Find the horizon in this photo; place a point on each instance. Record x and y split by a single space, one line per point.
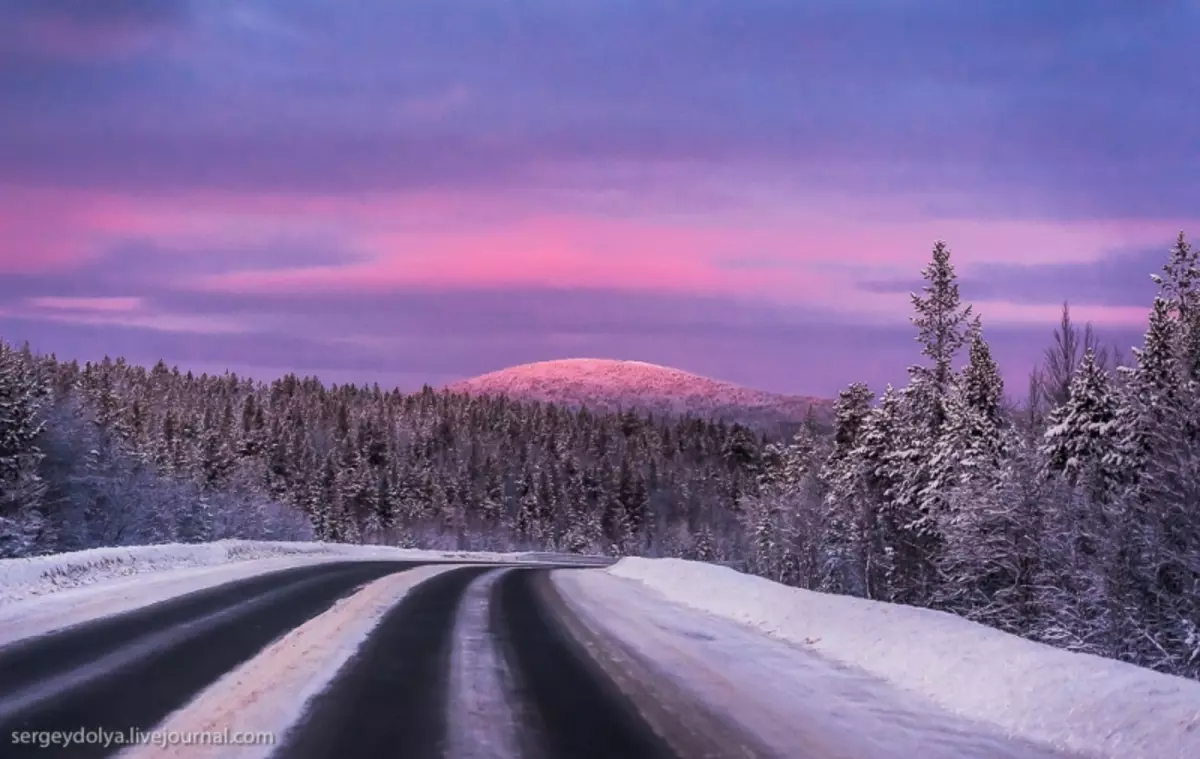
744 191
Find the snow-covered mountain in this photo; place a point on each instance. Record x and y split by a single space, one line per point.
609 385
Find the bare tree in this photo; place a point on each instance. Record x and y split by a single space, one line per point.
1053 378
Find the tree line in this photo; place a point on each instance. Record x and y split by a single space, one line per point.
110 453
1072 519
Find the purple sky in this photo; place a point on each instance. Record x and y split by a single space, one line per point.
419 191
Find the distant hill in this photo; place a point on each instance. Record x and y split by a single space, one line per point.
609 385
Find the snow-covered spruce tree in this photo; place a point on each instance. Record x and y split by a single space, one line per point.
1179 285
23 523
864 481
943 326
1155 576
971 448
1150 397
1078 543
848 509
942 323
994 569
985 523
1083 431
802 506
703 546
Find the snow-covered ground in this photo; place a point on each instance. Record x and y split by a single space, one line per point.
1077 702
25 578
782 700
48 593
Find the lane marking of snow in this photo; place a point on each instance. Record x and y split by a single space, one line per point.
46 690
270 692
481 721
1078 702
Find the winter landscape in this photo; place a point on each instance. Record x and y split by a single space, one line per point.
598 381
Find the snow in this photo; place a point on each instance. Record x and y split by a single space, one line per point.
25 578
270 692
718 677
481 723
1077 702
610 385
47 593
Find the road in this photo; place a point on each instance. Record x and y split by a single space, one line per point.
472 662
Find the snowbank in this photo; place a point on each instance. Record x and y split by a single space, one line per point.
27 578
1076 702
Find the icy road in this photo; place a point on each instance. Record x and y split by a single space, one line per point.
484 661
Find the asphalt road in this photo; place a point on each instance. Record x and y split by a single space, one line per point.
477 662
133 669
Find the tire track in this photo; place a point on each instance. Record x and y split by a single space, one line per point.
270 693
580 712
32 660
390 700
134 669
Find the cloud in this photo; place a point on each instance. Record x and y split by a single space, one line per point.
102 305
739 188
970 109
136 268
1115 279
438 337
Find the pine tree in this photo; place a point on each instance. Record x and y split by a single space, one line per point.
942 324
972 445
1083 431
846 501
916 499
22 519
1150 397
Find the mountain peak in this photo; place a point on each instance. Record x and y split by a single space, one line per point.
603 384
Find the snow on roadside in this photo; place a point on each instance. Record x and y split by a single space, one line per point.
47 593
268 693
21 579
784 701
1077 702
25 578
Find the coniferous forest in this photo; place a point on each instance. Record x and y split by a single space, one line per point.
1072 518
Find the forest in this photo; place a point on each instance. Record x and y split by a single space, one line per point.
1071 518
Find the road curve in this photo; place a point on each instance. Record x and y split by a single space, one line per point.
474 661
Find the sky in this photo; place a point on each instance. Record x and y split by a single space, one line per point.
417 191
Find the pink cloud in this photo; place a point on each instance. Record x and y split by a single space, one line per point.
556 251
805 251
